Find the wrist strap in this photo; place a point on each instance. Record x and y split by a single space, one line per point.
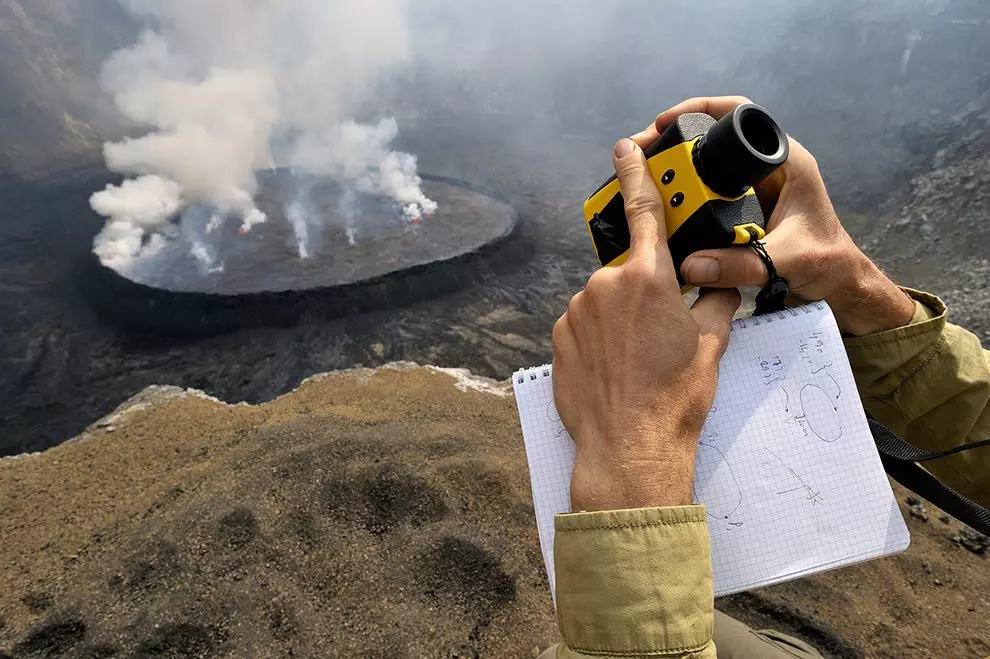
771 298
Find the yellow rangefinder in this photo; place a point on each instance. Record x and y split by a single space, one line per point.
705 171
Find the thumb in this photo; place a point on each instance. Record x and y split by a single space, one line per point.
732 267
713 311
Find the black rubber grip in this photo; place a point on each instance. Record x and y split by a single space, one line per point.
740 150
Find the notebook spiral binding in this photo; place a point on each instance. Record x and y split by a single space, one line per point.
535 373
770 318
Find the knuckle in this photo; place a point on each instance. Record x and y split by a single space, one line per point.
801 155
754 271
643 203
637 272
630 168
560 329
574 307
710 344
601 280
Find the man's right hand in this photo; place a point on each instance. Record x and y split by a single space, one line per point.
805 239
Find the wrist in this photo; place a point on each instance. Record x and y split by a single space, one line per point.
619 484
869 301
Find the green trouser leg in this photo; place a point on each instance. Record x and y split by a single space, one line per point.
734 640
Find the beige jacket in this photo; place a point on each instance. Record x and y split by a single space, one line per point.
638 583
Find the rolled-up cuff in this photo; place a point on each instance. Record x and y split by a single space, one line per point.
634 581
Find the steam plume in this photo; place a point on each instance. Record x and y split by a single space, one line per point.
217 82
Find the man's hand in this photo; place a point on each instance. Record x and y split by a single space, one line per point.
635 370
805 239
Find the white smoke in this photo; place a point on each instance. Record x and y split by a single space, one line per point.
359 154
296 214
135 208
216 82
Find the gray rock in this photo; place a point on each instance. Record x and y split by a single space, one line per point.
972 540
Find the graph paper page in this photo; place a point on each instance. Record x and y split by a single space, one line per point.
786 465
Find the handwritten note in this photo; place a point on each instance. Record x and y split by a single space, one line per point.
786 464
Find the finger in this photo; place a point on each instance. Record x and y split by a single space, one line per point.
799 161
715 106
643 203
733 267
713 311
646 137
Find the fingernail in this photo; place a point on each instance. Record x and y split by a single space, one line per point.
702 271
624 147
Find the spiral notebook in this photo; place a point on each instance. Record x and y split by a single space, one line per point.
786 464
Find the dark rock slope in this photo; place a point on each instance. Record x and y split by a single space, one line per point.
937 235
52 112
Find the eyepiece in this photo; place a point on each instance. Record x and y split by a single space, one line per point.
740 150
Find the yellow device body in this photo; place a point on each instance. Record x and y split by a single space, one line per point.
687 215
704 170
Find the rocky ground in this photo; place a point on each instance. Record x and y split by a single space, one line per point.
938 233
379 513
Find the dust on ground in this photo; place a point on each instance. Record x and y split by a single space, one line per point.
368 513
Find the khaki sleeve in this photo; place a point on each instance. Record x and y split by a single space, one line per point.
634 583
929 382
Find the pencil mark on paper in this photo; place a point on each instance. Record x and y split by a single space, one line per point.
814 407
552 414
838 387
812 352
711 414
787 401
795 484
819 414
772 370
715 483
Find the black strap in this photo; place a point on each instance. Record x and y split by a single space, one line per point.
900 460
771 298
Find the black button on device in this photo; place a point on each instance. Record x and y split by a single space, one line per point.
677 199
668 177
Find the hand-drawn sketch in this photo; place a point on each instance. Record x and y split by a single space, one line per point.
835 384
819 413
814 407
794 485
715 484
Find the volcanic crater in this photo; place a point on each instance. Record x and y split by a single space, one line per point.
324 251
